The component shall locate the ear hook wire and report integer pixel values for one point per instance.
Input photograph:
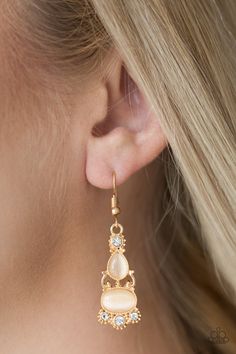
(114, 183)
(115, 209)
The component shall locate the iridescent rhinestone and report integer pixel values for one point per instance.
(117, 241)
(104, 316)
(133, 316)
(119, 320)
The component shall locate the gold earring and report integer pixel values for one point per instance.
(118, 300)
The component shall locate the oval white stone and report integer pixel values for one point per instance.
(118, 266)
(118, 300)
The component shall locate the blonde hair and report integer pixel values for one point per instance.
(181, 53)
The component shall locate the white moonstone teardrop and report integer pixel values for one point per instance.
(118, 300)
(118, 266)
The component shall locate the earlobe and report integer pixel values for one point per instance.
(128, 138)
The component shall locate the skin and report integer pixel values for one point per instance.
(55, 189)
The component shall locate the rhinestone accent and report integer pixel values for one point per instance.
(104, 316)
(134, 316)
(119, 320)
(116, 241)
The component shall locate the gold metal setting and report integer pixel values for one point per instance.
(118, 300)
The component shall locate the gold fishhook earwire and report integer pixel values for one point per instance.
(114, 183)
(115, 209)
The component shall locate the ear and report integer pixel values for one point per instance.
(129, 135)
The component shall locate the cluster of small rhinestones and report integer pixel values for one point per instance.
(119, 320)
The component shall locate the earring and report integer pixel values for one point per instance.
(118, 300)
